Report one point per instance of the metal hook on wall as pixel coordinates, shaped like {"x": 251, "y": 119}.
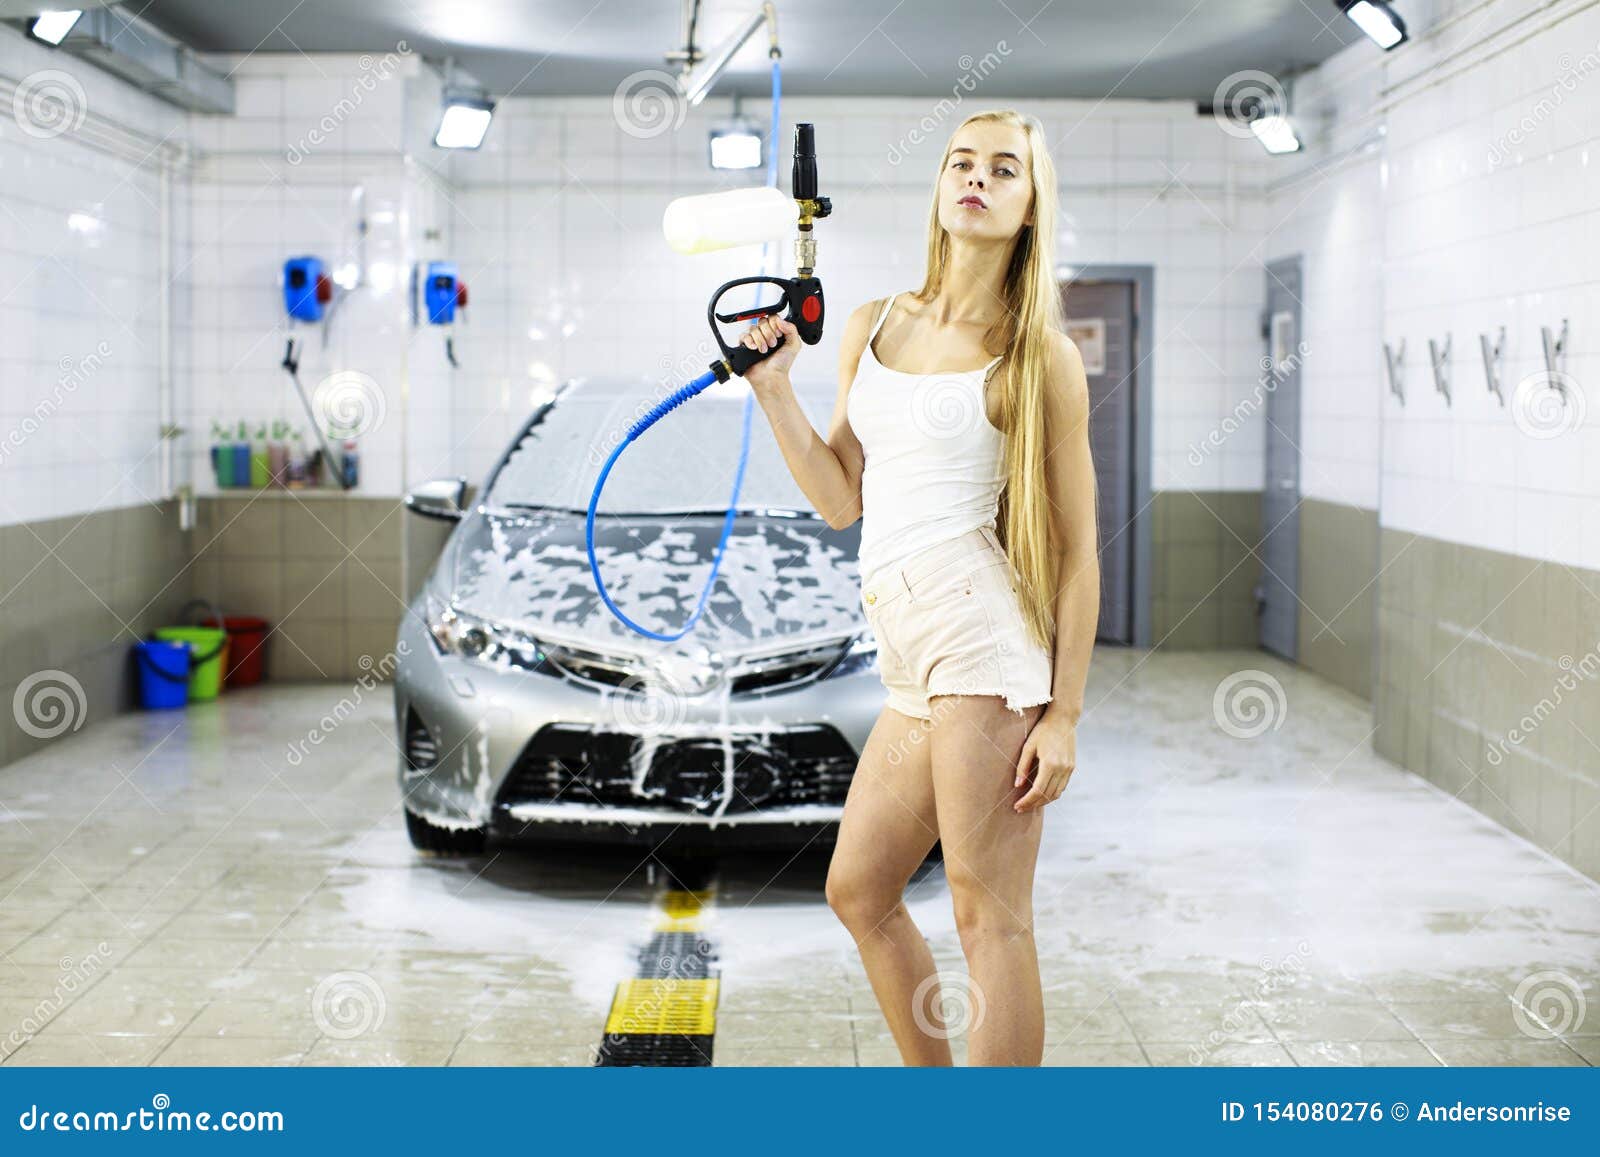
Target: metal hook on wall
{"x": 1494, "y": 360}
{"x": 1555, "y": 357}
{"x": 1395, "y": 361}
{"x": 1439, "y": 356}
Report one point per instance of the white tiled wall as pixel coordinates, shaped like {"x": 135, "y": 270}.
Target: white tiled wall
{"x": 1492, "y": 217}
{"x": 558, "y": 228}
{"x": 1480, "y": 210}
{"x": 318, "y": 144}
{"x": 79, "y": 308}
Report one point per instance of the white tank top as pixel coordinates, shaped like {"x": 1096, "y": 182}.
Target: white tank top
{"x": 935, "y": 465}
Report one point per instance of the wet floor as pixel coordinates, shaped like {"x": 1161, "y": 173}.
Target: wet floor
{"x": 178, "y": 890}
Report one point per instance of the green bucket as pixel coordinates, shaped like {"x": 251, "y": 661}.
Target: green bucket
{"x": 210, "y": 650}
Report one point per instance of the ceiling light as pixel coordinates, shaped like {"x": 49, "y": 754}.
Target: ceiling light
{"x": 1378, "y": 20}
{"x": 52, "y": 27}
{"x": 464, "y": 122}
{"x": 736, "y": 145}
{"x": 1276, "y": 134}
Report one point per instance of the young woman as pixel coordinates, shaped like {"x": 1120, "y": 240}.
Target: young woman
{"x": 960, "y": 438}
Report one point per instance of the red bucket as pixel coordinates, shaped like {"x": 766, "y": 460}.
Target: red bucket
{"x": 247, "y": 649}
{"x": 247, "y": 643}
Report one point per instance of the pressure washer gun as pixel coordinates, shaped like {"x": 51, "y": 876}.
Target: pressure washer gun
{"x": 718, "y": 221}
{"x": 802, "y": 293}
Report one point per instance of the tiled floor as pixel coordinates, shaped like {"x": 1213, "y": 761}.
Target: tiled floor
{"x": 174, "y": 891}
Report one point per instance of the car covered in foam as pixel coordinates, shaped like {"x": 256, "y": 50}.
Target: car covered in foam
{"x": 525, "y": 709}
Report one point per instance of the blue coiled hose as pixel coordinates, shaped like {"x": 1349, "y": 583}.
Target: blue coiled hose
{"x": 665, "y": 407}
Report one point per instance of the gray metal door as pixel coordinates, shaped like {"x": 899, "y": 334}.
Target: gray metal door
{"x": 1100, "y": 319}
{"x": 1277, "y": 596}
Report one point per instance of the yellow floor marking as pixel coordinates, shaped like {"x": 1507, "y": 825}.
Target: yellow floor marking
{"x": 683, "y": 911}
{"x": 679, "y": 903}
{"x": 664, "y": 1006}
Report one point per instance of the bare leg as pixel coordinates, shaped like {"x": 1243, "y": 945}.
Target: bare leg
{"x": 989, "y": 857}
{"x": 886, "y": 831}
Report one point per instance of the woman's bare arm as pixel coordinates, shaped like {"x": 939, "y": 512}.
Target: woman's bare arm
{"x": 1070, "y": 483}
{"x": 1052, "y": 744}
{"x": 827, "y": 470}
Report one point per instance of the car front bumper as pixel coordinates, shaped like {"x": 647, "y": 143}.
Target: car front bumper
{"x": 479, "y": 722}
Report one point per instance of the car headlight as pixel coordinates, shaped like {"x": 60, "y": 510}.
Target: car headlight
{"x": 442, "y": 624}
{"x": 455, "y": 633}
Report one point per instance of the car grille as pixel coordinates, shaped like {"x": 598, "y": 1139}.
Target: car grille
{"x": 754, "y": 677}
{"x": 590, "y": 666}
{"x": 572, "y": 764}
{"x": 782, "y": 671}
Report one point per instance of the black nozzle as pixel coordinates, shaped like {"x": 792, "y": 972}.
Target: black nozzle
{"x": 803, "y": 179}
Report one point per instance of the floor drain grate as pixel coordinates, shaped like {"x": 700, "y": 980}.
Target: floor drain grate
{"x": 655, "y": 1051}
{"x": 666, "y": 1015}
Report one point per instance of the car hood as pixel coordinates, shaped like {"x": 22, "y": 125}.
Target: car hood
{"x": 783, "y": 580}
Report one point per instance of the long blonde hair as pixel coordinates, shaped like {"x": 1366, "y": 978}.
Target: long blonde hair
{"x": 1032, "y": 315}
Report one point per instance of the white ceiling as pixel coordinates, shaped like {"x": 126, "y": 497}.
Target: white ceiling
{"x": 1044, "y": 48}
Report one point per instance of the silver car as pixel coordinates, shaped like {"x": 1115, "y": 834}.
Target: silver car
{"x": 526, "y": 709}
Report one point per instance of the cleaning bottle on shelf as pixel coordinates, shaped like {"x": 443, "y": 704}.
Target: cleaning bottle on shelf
{"x": 297, "y": 466}
{"x": 278, "y": 454}
{"x": 350, "y": 464}
{"x": 241, "y": 455}
{"x": 259, "y": 472}
{"x": 221, "y": 455}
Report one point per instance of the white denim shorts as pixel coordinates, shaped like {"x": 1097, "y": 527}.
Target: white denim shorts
{"x": 948, "y": 622}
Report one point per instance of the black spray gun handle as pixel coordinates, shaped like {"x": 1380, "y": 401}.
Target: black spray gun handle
{"x": 802, "y": 296}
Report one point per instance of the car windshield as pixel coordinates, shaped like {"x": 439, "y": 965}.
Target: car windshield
{"x": 685, "y": 462}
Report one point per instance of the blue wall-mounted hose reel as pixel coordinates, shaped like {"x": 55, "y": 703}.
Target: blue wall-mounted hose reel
{"x": 442, "y": 292}
{"x": 307, "y": 288}
{"x": 443, "y": 295}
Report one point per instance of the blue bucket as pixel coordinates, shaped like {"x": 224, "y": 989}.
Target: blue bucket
{"x": 163, "y": 674}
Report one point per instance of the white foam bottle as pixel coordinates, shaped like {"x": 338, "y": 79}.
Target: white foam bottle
{"x": 747, "y": 216}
